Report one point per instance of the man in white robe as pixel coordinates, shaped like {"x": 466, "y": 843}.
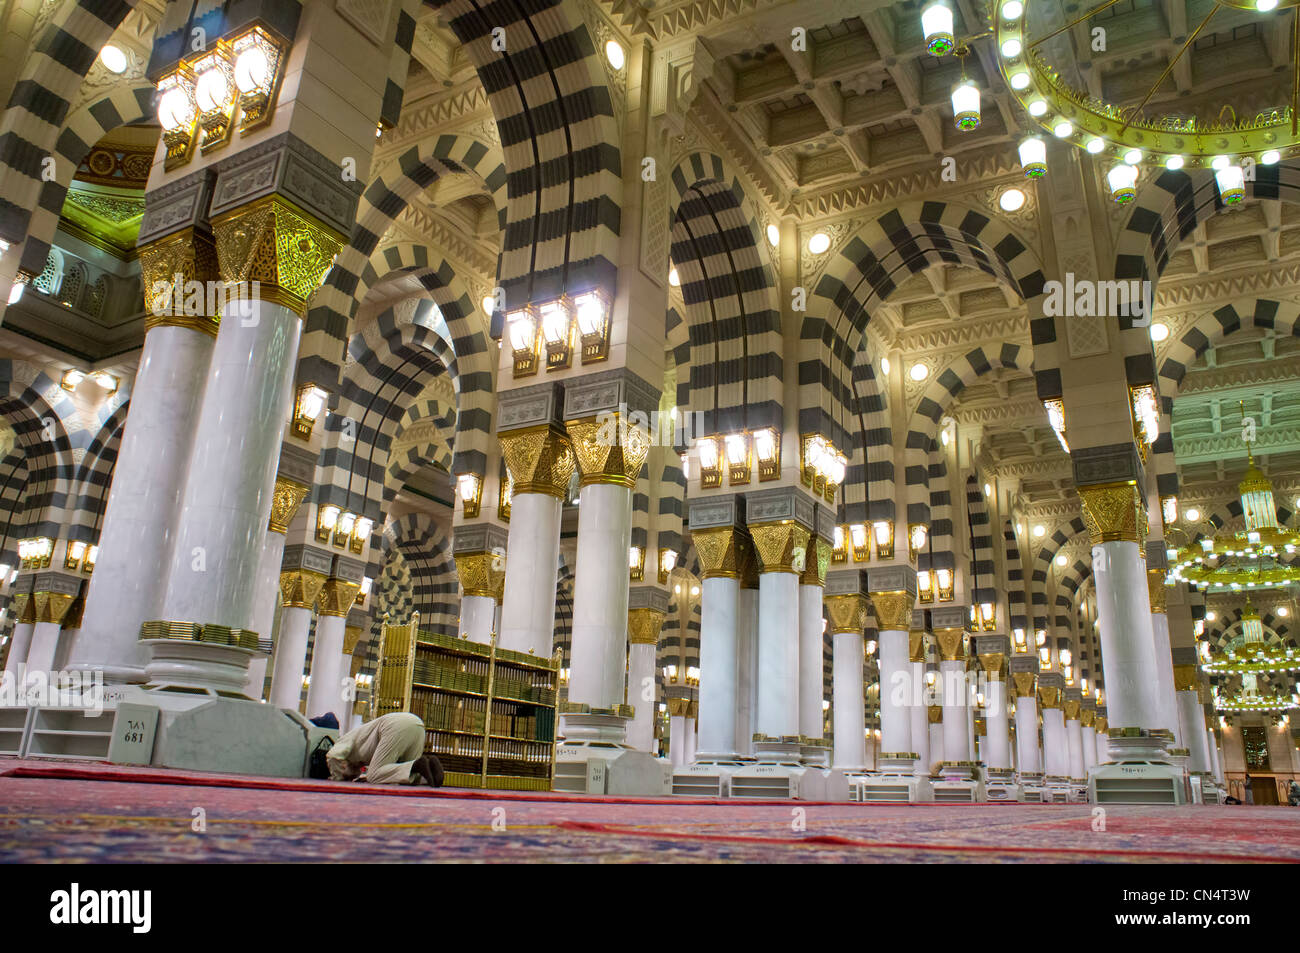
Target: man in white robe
{"x": 390, "y": 748}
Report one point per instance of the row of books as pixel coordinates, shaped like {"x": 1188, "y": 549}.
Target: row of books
{"x": 430, "y": 660}
{"x": 470, "y": 714}
{"x": 438, "y": 677}
{"x": 529, "y": 752}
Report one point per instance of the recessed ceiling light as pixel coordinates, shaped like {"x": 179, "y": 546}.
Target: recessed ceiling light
{"x": 1174, "y": 163}
{"x": 1193, "y": 515}
{"x": 1095, "y": 145}
{"x": 919, "y": 372}
{"x": 1011, "y": 48}
{"x": 1263, "y": 6}
{"x": 1037, "y": 107}
{"x": 1063, "y": 130}
{"x": 1011, "y": 200}
{"x": 1012, "y": 9}
{"x": 614, "y": 53}
{"x": 884, "y": 366}
{"x": 773, "y": 235}
{"x": 1270, "y": 157}
{"x": 819, "y": 243}
{"x": 1159, "y": 331}
{"x": 489, "y": 304}
{"x": 1020, "y": 80}
{"x": 1040, "y": 531}
{"x": 1061, "y": 560}
{"x": 674, "y": 279}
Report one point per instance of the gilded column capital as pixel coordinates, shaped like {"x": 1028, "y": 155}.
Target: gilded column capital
{"x": 51, "y": 606}
{"x": 718, "y": 552}
{"x": 678, "y": 707}
{"x": 994, "y": 665}
{"x": 351, "y": 636}
{"x": 781, "y": 546}
{"x": 934, "y": 713}
{"x": 816, "y": 563}
{"x": 24, "y": 610}
{"x": 540, "y": 459}
{"x": 893, "y": 610}
{"x": 282, "y": 247}
{"x": 1088, "y": 717}
{"x": 608, "y": 449}
{"x": 300, "y": 587}
{"x": 643, "y": 626}
{"x": 746, "y": 561}
{"x": 847, "y": 613}
{"x": 1049, "y": 696}
{"x": 337, "y": 595}
{"x": 1102, "y": 724}
{"x": 1156, "y": 589}
{"x": 482, "y": 574}
{"x": 285, "y": 500}
{"x": 916, "y": 645}
{"x": 1186, "y": 678}
{"x": 952, "y": 644}
{"x": 1114, "y": 512}
{"x": 167, "y": 266}
{"x": 1072, "y": 707}
{"x": 1026, "y": 684}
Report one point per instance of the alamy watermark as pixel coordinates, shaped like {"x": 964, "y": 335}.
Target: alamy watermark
{"x": 672, "y": 429}
{"x": 1086, "y": 298}
{"x": 22, "y": 688}
{"x": 204, "y": 298}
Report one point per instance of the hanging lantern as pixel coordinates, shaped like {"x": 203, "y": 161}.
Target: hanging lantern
{"x": 966, "y": 105}
{"x": 936, "y": 24}
{"x": 1232, "y": 184}
{"x": 1122, "y": 180}
{"x": 1033, "y": 157}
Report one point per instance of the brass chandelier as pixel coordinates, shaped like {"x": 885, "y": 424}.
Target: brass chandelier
{"x": 1126, "y": 136}
{"x": 1253, "y": 656}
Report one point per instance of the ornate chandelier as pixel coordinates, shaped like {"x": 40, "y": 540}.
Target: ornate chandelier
{"x": 1252, "y": 656}
{"x": 1125, "y": 136}
{"x": 1247, "y": 560}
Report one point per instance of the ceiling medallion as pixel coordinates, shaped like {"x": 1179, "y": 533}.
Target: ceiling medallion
{"x": 1125, "y": 136}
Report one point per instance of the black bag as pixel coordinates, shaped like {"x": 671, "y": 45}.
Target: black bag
{"x": 317, "y": 766}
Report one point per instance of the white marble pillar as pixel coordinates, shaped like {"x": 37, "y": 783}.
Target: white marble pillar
{"x": 600, "y": 595}
{"x": 812, "y": 628}
{"x": 256, "y": 683}
{"x": 20, "y": 646}
{"x": 477, "y": 614}
{"x": 1103, "y": 747}
{"x": 746, "y": 700}
{"x": 325, "y": 692}
{"x": 937, "y": 738}
{"x": 718, "y": 619}
{"x": 995, "y": 751}
{"x": 690, "y": 730}
{"x": 1074, "y": 740}
{"x": 290, "y": 657}
{"x": 266, "y": 603}
{"x": 640, "y": 684}
{"x": 532, "y": 559}
{"x": 956, "y": 729}
{"x": 848, "y": 702}
{"x": 1192, "y": 724}
{"x": 1028, "y": 755}
{"x": 677, "y": 740}
{"x": 144, "y": 504}
{"x": 778, "y": 655}
{"x": 1127, "y": 641}
{"x": 895, "y": 693}
{"x": 1089, "y": 736}
{"x": 44, "y": 647}
{"x": 1164, "y": 670}
{"x": 919, "y": 718}
{"x": 1056, "y": 744}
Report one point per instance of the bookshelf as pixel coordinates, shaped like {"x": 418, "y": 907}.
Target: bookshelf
{"x": 489, "y": 713}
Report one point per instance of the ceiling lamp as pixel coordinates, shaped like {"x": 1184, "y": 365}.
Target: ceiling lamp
{"x": 1096, "y": 145}
{"x": 176, "y": 112}
{"x": 819, "y": 243}
{"x": 1159, "y": 332}
{"x": 919, "y": 372}
{"x": 1033, "y": 157}
{"x": 1012, "y": 200}
{"x": 966, "y": 105}
{"x": 614, "y": 53}
{"x": 1231, "y": 180}
{"x": 114, "y": 59}
{"x": 674, "y": 278}
{"x": 823, "y": 467}
{"x": 936, "y": 24}
{"x": 1056, "y": 417}
{"x": 1122, "y": 180}
{"x": 773, "y": 235}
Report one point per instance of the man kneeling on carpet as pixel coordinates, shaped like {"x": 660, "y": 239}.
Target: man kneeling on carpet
{"x": 390, "y": 748}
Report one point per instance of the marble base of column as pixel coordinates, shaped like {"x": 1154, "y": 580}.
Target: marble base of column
{"x": 255, "y": 686}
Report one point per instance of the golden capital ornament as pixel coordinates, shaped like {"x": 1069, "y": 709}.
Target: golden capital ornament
{"x": 952, "y": 644}
{"x": 608, "y": 450}
{"x": 1026, "y": 684}
{"x": 847, "y": 614}
{"x": 816, "y": 563}
{"x": 781, "y": 546}
{"x": 893, "y": 610}
{"x": 482, "y": 574}
{"x": 643, "y": 626}
{"x": 336, "y": 597}
{"x": 1113, "y": 512}
{"x": 167, "y": 266}
{"x": 300, "y": 587}
{"x": 285, "y": 500}
{"x": 718, "y": 552}
{"x": 540, "y": 460}
{"x": 1156, "y": 589}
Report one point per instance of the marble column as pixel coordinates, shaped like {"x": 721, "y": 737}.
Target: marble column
{"x": 541, "y": 463}
{"x": 1073, "y": 710}
{"x": 677, "y": 732}
{"x": 480, "y": 553}
{"x": 1103, "y": 737}
{"x": 1024, "y": 678}
{"x": 327, "y": 692}
{"x": 292, "y": 484}
{"x": 692, "y": 729}
{"x": 846, "y": 607}
{"x": 934, "y": 727}
{"x": 1191, "y": 717}
{"x": 1088, "y": 732}
{"x": 956, "y": 705}
{"x": 299, "y": 589}
{"x": 1056, "y": 744}
{"x": 812, "y": 629}
{"x": 721, "y": 551}
{"x": 143, "y": 511}
{"x": 747, "y": 653}
{"x": 645, "y": 618}
{"x": 1115, "y": 517}
{"x": 21, "y": 645}
{"x": 996, "y": 752}
{"x": 781, "y": 548}
{"x": 894, "y": 618}
{"x": 52, "y": 596}
{"x": 918, "y": 708}
{"x": 1164, "y": 686}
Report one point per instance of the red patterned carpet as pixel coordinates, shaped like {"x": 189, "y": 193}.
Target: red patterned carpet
{"x": 141, "y": 815}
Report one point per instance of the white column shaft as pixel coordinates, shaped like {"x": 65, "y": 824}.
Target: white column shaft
{"x": 1027, "y": 752}
{"x": 1074, "y": 739}
{"x": 1164, "y": 686}
{"x": 476, "y": 617}
{"x": 325, "y": 693}
{"x": 919, "y": 717}
{"x": 641, "y": 695}
{"x": 44, "y": 647}
{"x": 811, "y": 661}
{"x": 1089, "y": 734}
{"x": 600, "y": 596}
{"x": 1127, "y": 642}
{"x": 290, "y": 657}
{"x": 895, "y": 693}
{"x": 1056, "y": 745}
{"x": 532, "y": 558}
{"x": 718, "y": 609}
{"x": 778, "y": 654}
{"x": 956, "y": 731}
{"x": 1193, "y": 734}
{"x": 20, "y": 647}
{"x": 677, "y": 740}
{"x": 848, "y": 702}
{"x": 746, "y": 697}
{"x": 996, "y": 750}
